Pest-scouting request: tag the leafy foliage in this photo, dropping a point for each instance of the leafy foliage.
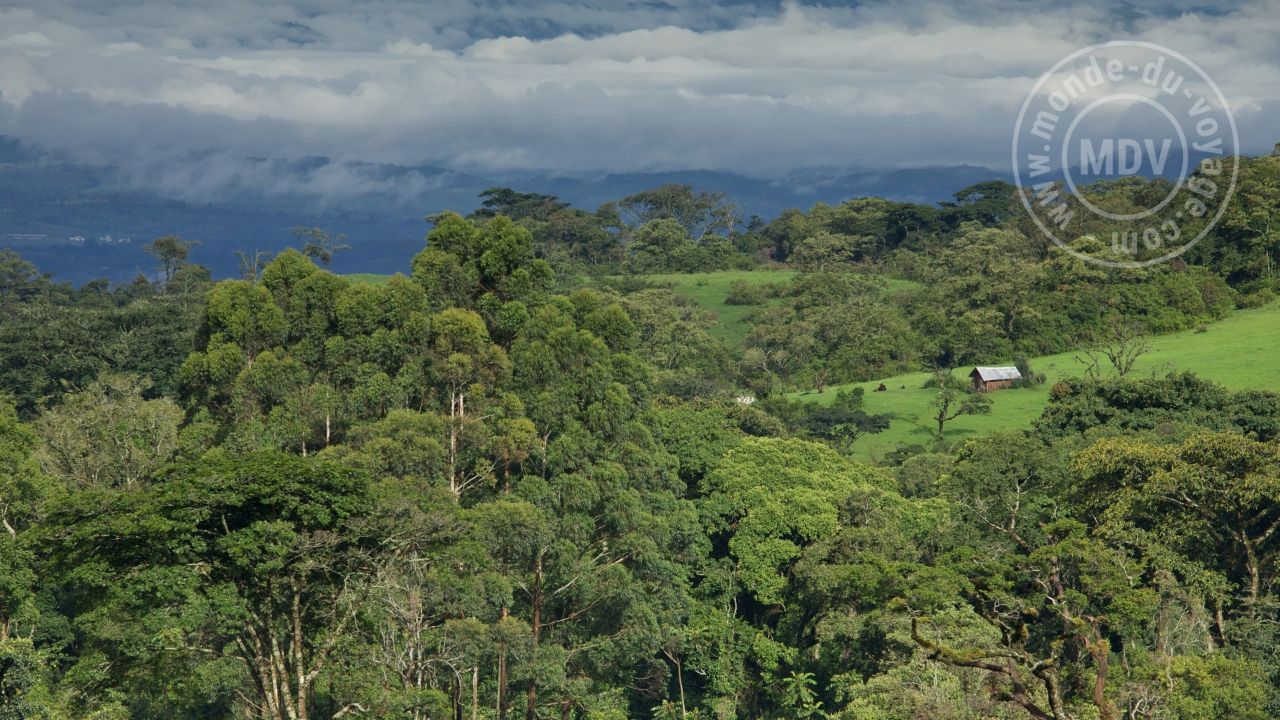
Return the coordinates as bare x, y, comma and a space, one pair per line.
497, 487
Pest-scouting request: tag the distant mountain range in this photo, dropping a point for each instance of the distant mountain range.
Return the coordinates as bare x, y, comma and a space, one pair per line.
82, 221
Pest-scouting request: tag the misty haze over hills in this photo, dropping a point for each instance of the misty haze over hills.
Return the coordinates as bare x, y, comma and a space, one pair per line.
232, 204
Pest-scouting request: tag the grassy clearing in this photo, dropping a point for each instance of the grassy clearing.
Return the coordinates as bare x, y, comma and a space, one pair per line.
709, 290
1242, 351
369, 278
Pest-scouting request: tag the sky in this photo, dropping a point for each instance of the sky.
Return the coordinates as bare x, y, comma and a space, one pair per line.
758, 88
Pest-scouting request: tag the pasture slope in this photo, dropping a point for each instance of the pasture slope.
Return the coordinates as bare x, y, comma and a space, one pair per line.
709, 290
1242, 351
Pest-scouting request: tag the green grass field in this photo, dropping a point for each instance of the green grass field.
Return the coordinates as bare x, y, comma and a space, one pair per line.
1242, 351
709, 290
369, 278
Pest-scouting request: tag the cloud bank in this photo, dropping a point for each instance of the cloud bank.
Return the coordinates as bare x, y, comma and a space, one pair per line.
754, 88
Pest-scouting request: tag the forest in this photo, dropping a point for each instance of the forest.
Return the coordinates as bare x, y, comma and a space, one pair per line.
527, 478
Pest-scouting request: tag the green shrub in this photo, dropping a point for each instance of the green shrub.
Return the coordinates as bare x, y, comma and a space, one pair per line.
742, 292
1256, 299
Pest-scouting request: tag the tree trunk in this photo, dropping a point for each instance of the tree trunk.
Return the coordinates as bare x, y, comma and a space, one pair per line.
298, 660
1219, 625
502, 674
457, 413
458, 706
1100, 649
684, 712
453, 445
531, 693
1251, 566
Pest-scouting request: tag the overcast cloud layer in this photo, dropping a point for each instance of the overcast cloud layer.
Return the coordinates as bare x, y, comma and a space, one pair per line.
756, 88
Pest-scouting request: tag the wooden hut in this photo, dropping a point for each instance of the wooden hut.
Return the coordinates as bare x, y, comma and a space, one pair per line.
986, 379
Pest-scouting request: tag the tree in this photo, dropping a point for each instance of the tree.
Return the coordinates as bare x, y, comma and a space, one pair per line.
171, 251
431, 615
698, 212
465, 265
839, 423
1176, 401
799, 698
1211, 498
824, 251
246, 314
24, 671
771, 497
656, 243
593, 527
1055, 597
987, 202
19, 279
1246, 244
517, 205
318, 244
108, 435
785, 233
256, 563
23, 493
577, 234
251, 263
838, 622
1122, 342
1056, 609
986, 292
674, 337
466, 363
952, 402
52, 343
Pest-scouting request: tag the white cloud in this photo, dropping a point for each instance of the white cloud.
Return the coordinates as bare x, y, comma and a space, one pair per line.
558, 85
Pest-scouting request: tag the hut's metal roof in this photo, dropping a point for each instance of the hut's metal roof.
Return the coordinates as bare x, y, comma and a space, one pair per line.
996, 373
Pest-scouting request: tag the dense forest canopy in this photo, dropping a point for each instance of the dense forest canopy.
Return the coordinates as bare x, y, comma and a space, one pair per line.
526, 479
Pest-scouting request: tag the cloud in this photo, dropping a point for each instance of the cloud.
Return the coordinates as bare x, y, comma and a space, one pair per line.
752, 87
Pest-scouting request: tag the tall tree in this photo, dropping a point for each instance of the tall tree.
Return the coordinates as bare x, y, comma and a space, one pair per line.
171, 251
23, 493
698, 212
319, 245
954, 400
108, 434
256, 563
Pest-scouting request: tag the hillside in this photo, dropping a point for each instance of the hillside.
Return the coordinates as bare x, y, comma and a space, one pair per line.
1238, 352
710, 289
